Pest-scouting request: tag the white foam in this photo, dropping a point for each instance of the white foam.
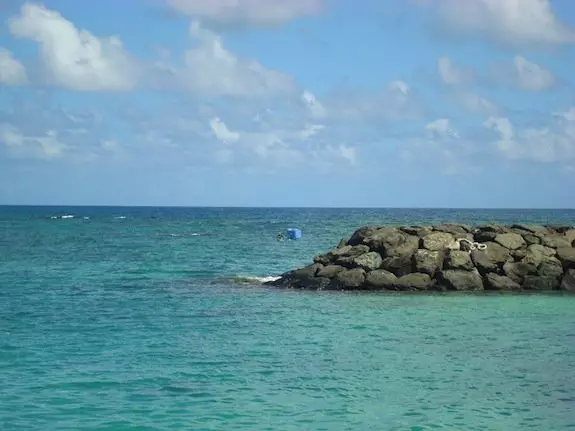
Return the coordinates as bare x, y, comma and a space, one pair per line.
256, 280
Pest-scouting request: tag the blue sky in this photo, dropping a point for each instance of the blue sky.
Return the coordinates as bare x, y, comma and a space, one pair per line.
395, 103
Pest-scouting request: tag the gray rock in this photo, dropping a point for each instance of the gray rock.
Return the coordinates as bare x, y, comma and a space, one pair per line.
456, 259
497, 253
518, 270
348, 279
399, 265
482, 236
341, 252
455, 279
570, 235
418, 231
511, 241
414, 281
491, 228
303, 278
380, 279
427, 262
519, 254
532, 256
540, 283
567, 257
329, 271
361, 234
495, 281
545, 251
532, 239
368, 261
550, 267
385, 238
556, 241
568, 281
482, 261
407, 247
452, 228
437, 241
307, 272
531, 228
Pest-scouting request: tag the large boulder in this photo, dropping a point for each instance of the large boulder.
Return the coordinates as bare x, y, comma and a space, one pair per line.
567, 257
380, 279
399, 265
511, 241
517, 271
427, 262
437, 241
368, 261
540, 283
556, 241
455, 279
348, 279
329, 271
456, 259
414, 281
495, 281
347, 251
359, 236
568, 281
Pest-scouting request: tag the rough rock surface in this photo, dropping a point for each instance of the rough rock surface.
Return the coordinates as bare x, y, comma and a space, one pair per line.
446, 257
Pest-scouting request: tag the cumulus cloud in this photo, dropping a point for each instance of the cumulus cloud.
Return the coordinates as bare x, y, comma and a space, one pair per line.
248, 12
280, 148
441, 149
506, 22
211, 69
395, 102
450, 74
74, 58
553, 144
524, 75
46, 146
11, 70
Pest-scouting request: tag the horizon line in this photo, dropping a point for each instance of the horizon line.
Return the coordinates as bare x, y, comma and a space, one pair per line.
278, 207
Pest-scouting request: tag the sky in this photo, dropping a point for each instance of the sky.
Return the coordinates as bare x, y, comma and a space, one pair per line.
337, 103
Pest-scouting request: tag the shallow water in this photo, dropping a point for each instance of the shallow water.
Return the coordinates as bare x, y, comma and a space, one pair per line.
136, 324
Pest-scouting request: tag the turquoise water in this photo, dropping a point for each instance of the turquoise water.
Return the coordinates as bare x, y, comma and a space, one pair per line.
136, 323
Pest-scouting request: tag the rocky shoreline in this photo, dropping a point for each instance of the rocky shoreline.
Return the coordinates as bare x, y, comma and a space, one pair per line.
443, 258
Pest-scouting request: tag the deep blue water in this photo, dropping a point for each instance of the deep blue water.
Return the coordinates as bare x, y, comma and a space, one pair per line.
128, 319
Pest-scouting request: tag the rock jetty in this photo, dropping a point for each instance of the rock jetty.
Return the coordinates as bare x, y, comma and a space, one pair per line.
446, 257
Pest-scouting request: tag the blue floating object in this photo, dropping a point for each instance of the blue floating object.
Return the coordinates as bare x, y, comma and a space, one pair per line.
293, 233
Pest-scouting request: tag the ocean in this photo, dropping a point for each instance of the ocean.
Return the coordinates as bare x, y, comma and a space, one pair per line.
153, 319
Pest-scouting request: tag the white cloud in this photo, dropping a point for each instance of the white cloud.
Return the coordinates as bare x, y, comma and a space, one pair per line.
281, 148
347, 153
440, 128
451, 74
441, 150
11, 70
544, 145
251, 12
46, 146
509, 22
213, 70
525, 75
222, 132
315, 108
396, 102
72, 58
476, 104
